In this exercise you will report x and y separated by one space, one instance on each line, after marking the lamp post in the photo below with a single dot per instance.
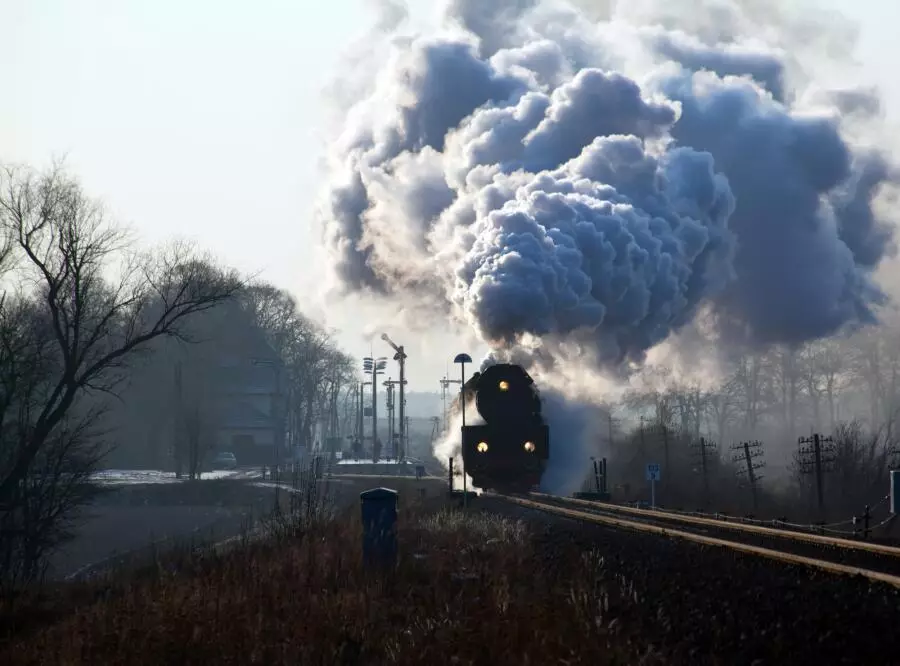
462 359
373 367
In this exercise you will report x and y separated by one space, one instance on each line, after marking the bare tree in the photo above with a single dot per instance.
196 413
823 368
750 383
96 304
784 376
316 371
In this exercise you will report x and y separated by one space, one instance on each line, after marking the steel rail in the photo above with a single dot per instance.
624 523
729 525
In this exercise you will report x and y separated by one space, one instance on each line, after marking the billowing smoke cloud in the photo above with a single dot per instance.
536 173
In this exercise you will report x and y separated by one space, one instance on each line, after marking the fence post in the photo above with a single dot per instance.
379 519
450 474
866 517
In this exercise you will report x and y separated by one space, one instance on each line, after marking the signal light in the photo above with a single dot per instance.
503 385
482 447
529 446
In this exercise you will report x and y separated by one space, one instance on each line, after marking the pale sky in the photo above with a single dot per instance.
201 119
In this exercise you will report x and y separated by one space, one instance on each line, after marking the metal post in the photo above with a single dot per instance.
818 457
389 389
450 475
597 476
360 431
653 493
400 357
403 431
375 412
177 421
462 359
462 399
705 475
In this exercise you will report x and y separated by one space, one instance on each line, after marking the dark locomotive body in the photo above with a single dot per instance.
509 452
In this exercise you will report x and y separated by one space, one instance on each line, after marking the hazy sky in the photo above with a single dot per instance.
201 118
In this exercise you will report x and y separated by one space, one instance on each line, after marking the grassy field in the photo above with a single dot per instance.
485 586
472 588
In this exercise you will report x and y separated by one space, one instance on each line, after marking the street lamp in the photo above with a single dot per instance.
462 359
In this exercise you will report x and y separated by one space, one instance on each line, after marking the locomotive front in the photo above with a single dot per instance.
509 452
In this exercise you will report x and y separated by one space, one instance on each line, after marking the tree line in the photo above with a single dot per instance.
96 334
786 391
846 387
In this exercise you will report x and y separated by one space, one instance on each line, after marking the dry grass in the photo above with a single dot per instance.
464 591
483 587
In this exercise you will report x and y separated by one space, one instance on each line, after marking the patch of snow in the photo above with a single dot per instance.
142 476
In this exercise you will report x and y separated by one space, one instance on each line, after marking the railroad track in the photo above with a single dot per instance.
877 562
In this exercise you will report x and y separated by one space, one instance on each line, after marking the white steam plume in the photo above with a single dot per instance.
576 187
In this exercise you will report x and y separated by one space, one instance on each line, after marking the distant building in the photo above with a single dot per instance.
249 390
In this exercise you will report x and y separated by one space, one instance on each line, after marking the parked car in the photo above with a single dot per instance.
223 460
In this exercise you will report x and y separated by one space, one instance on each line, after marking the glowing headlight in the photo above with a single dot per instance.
482 447
503 385
529 446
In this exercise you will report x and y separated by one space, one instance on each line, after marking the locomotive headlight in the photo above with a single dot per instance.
482 447
503 385
529 446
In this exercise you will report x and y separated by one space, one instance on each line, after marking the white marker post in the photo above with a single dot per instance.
653 475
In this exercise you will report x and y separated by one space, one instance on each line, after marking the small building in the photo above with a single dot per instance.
250 395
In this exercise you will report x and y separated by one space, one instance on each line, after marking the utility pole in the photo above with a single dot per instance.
396 447
703 448
400 357
361 414
179 406
359 417
445 388
817 457
747 454
389 404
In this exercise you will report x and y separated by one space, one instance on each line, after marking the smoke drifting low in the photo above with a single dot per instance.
550 178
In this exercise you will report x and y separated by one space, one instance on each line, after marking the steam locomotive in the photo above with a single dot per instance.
509 452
